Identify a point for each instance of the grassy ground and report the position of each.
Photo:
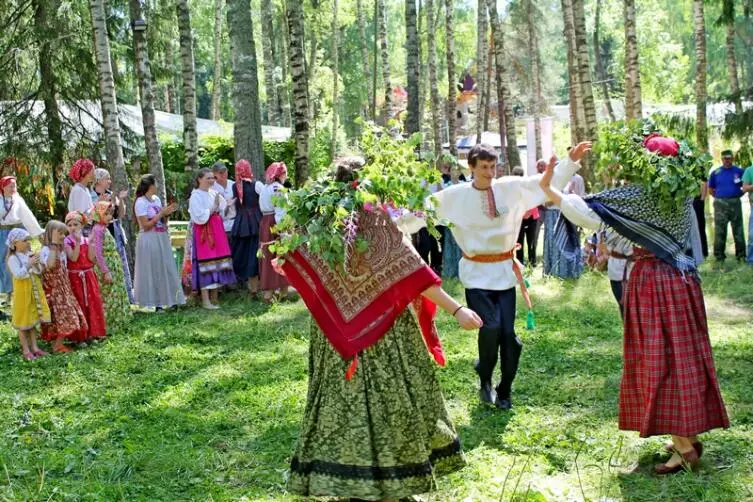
(206, 406)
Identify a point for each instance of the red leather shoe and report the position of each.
(689, 461)
(670, 448)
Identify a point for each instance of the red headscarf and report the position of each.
(242, 172)
(80, 169)
(666, 147)
(275, 170)
(6, 180)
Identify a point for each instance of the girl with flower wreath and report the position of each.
(112, 283)
(29, 308)
(375, 425)
(81, 259)
(669, 383)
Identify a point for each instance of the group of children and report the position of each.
(78, 288)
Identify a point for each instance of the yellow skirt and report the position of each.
(29, 303)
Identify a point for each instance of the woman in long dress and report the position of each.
(669, 383)
(271, 281)
(555, 262)
(375, 425)
(14, 213)
(245, 231)
(156, 280)
(211, 261)
(101, 191)
(80, 199)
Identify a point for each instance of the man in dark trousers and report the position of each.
(726, 186)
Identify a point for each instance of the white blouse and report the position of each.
(466, 208)
(266, 202)
(201, 205)
(19, 266)
(14, 211)
(44, 255)
(228, 214)
(80, 200)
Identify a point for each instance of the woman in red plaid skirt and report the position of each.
(669, 383)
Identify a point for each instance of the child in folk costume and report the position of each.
(156, 281)
(271, 281)
(486, 216)
(67, 319)
(29, 303)
(211, 260)
(669, 383)
(109, 269)
(101, 191)
(245, 231)
(82, 173)
(375, 425)
(84, 283)
(14, 213)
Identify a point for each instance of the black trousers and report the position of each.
(527, 235)
(698, 206)
(428, 249)
(617, 292)
(497, 337)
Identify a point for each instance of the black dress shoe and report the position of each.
(487, 394)
(503, 404)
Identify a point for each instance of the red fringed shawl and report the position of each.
(355, 309)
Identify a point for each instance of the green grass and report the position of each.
(206, 406)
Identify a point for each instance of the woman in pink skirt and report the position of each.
(669, 383)
(271, 281)
(211, 260)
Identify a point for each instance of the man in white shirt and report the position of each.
(486, 217)
(224, 187)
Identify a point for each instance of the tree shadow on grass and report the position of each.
(487, 426)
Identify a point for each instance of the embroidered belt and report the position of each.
(267, 213)
(82, 275)
(158, 230)
(516, 268)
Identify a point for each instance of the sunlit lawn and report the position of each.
(206, 406)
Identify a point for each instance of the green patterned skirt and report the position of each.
(384, 434)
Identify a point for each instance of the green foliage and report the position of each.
(281, 151)
(216, 149)
(323, 215)
(620, 155)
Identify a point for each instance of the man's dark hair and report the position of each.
(481, 151)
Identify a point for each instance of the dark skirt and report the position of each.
(268, 278)
(384, 434)
(669, 383)
(245, 262)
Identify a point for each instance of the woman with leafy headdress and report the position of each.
(669, 383)
(375, 425)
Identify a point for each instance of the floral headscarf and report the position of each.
(275, 170)
(6, 180)
(17, 234)
(80, 169)
(242, 172)
(101, 209)
(100, 174)
(75, 215)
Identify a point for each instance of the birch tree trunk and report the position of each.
(146, 92)
(422, 82)
(412, 122)
(48, 86)
(633, 102)
(506, 118)
(169, 63)
(382, 23)
(584, 69)
(300, 90)
(269, 62)
(535, 92)
(431, 49)
(190, 140)
(247, 127)
(481, 63)
(452, 85)
(728, 14)
(577, 115)
(701, 129)
(364, 43)
(335, 74)
(217, 77)
(488, 79)
(108, 97)
(283, 90)
(600, 73)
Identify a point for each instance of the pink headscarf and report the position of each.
(75, 215)
(275, 170)
(6, 180)
(80, 169)
(666, 147)
(242, 172)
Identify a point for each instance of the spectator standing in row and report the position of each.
(726, 186)
(748, 188)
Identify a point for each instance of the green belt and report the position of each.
(10, 227)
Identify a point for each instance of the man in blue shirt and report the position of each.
(726, 185)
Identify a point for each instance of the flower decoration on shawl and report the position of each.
(80, 169)
(101, 210)
(76, 215)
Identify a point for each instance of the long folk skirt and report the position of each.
(211, 260)
(384, 434)
(156, 281)
(269, 279)
(555, 262)
(669, 383)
